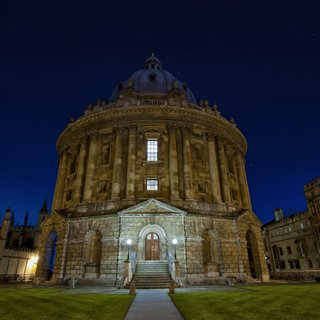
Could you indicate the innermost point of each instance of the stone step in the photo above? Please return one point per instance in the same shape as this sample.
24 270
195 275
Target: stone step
152 274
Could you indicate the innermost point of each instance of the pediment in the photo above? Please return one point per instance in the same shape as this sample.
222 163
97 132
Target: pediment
152 206
53 218
250 217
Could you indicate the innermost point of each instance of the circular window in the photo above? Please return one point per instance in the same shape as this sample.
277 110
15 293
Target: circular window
152 77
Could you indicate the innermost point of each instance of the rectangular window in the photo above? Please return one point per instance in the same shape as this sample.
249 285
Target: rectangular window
289 250
152 184
280 251
152 150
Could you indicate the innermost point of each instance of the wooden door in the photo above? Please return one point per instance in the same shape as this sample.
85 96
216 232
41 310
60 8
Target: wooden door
152 247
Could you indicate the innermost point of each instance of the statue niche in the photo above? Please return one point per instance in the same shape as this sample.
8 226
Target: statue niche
92 254
208 255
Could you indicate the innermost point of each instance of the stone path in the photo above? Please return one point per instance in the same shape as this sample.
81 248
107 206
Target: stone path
153 304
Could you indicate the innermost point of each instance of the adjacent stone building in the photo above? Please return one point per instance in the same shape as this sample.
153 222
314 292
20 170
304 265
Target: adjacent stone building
18 244
147 167
292 243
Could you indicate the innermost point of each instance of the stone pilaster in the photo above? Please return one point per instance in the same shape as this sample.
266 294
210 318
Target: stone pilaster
214 171
131 163
78 184
61 179
223 172
91 165
173 164
117 164
187 169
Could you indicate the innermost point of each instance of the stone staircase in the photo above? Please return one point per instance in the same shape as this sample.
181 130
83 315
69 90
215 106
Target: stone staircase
152 274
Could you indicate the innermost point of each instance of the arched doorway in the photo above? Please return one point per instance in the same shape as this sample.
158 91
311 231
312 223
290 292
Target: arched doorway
253 255
50 255
152 246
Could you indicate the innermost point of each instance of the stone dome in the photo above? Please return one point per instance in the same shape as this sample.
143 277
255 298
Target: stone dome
153 80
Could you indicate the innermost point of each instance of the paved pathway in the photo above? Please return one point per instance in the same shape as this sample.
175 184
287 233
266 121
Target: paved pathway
153 304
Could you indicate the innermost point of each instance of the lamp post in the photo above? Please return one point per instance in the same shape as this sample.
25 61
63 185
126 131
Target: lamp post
129 242
174 242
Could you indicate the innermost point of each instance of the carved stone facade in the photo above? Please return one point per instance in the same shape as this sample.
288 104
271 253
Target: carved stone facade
152 160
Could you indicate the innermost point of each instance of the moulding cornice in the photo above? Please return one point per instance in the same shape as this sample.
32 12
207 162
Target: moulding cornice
216 125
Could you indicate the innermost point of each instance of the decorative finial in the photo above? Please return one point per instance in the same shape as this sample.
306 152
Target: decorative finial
232 121
152 54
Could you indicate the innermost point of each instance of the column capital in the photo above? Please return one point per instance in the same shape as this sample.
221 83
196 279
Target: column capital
120 129
65 149
132 128
186 130
171 127
210 136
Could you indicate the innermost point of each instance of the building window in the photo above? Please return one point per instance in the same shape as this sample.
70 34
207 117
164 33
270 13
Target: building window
152 184
289 250
294 264
152 150
280 251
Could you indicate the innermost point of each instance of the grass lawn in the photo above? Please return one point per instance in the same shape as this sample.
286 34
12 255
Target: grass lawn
292 302
47 304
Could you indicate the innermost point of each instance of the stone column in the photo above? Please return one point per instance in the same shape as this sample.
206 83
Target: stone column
180 162
91 165
61 179
241 181
223 173
214 171
78 184
131 163
187 169
173 164
244 182
117 165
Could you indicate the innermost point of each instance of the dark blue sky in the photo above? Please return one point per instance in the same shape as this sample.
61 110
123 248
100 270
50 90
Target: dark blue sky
260 61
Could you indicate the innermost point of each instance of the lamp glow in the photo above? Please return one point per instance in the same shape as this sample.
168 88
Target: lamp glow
174 242
129 242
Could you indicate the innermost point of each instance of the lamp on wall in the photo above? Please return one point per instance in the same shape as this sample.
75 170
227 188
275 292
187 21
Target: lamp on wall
174 242
129 242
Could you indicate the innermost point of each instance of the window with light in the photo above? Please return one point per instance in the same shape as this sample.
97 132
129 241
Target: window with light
152 184
152 150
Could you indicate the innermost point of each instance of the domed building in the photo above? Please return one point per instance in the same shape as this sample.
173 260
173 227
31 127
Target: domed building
154 182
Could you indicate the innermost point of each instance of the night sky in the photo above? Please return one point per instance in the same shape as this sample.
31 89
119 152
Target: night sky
259 61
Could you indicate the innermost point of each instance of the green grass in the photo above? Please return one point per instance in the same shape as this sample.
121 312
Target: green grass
287 302
40 304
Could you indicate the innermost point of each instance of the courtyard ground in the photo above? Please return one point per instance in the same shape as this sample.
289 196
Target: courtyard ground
50 304
285 302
